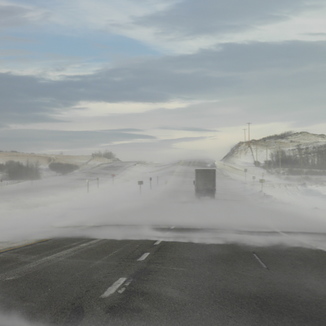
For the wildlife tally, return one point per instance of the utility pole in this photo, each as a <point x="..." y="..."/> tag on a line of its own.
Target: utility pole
<point x="248" y="123"/>
<point x="279" y="157"/>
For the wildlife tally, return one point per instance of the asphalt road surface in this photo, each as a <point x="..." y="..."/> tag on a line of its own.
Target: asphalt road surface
<point x="111" y="282"/>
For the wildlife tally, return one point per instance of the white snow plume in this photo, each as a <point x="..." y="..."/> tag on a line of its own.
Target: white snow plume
<point x="164" y="207"/>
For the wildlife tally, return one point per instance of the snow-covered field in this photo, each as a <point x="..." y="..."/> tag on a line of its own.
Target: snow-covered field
<point x="282" y="212"/>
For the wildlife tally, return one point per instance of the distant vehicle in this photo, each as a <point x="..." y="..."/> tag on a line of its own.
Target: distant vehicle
<point x="205" y="183"/>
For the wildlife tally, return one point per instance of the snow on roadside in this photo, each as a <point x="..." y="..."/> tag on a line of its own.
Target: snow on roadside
<point x="308" y="194"/>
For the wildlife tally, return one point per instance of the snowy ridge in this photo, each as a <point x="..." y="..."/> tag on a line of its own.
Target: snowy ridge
<point x="246" y="153"/>
<point x="43" y="161"/>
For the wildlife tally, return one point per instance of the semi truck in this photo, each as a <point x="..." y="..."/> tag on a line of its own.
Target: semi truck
<point x="205" y="183"/>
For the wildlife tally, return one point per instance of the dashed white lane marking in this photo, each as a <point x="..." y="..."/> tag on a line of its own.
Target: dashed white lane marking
<point x="260" y="261"/>
<point x="157" y="243"/>
<point x="114" y="287"/>
<point x="143" y="257"/>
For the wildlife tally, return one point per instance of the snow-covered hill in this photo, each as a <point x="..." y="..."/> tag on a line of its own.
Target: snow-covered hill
<point x="246" y="153"/>
<point x="305" y="191"/>
<point x="43" y="161"/>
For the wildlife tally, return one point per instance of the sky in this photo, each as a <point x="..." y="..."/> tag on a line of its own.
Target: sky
<point x="158" y="80"/>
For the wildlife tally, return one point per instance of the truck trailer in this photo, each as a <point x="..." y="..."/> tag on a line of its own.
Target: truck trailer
<point x="205" y="183"/>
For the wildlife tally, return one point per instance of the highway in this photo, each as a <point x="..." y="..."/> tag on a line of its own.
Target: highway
<point x="79" y="281"/>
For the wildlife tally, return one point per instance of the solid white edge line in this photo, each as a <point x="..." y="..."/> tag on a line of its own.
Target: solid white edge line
<point x="114" y="287"/>
<point x="144" y="256"/>
<point x="26" y="269"/>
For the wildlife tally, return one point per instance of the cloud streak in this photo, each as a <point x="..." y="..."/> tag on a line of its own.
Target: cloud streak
<point x="55" y="140"/>
<point x="237" y="75"/>
<point x="190" y="17"/>
<point x="12" y="15"/>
